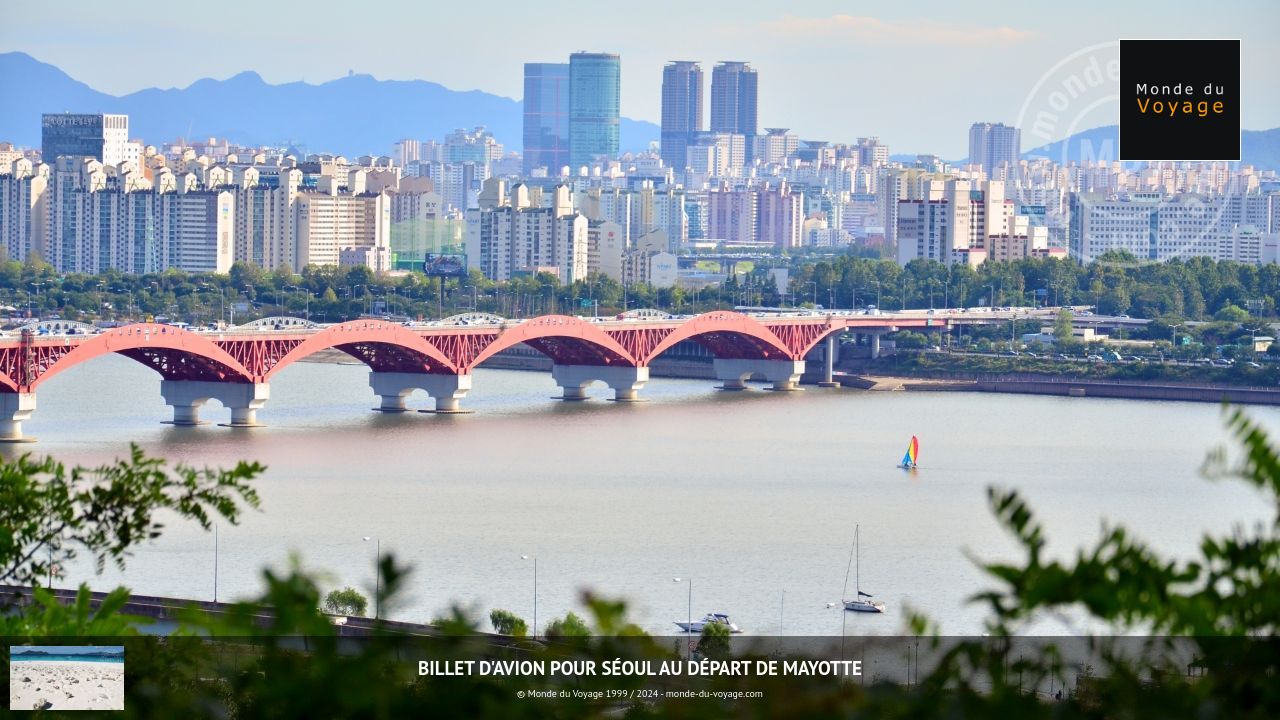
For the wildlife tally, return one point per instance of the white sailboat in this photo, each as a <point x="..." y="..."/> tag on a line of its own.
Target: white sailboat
<point x="858" y="603"/>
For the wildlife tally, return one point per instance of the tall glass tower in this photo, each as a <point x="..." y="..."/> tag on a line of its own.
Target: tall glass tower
<point x="681" y="110"/>
<point x="734" y="101"/>
<point x="546" y="116"/>
<point x="595" y="82"/>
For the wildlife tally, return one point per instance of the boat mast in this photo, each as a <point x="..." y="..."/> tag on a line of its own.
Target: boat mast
<point x="857" y="578"/>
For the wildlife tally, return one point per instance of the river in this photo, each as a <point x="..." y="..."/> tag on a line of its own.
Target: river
<point x="754" y="496"/>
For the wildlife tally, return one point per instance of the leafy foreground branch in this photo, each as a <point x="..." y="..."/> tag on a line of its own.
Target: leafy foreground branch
<point x="49" y="515"/>
<point x="280" y="656"/>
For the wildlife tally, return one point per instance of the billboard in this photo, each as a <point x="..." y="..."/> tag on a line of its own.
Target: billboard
<point x="445" y="265"/>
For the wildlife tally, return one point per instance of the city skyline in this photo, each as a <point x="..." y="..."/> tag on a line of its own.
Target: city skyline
<point x="815" y="61"/>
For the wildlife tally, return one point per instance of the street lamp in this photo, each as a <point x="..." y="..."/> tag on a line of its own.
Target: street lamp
<point x="535" y="592"/>
<point x="377" y="588"/>
<point x="689" y="623"/>
<point x="815" y="293"/>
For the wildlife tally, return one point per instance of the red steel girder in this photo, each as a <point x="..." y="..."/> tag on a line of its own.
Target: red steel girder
<point x="259" y="355"/>
<point x="640" y="341"/>
<point x="463" y="348"/>
<point x="799" y="338"/>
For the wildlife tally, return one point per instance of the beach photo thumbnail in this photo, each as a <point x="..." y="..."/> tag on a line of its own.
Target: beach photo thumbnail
<point x="66" y="677"/>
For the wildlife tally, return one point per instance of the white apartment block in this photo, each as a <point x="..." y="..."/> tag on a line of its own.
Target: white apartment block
<point x="22" y="208"/>
<point x="508" y="234"/>
<point x="328" y="222"/>
<point x="957" y="221"/>
<point x="1159" y="227"/>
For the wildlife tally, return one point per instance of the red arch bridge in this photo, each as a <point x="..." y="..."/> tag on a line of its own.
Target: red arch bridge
<point x="235" y="365"/>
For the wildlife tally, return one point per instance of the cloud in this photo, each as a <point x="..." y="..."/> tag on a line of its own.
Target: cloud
<point x="871" y="30"/>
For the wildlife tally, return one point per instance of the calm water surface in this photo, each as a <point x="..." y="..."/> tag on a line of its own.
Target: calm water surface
<point x="753" y="495"/>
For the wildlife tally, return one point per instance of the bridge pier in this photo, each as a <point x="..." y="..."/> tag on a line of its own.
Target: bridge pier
<point x="875" y="345"/>
<point x="14" y="409"/>
<point x="394" y="388"/>
<point x="188" y="396"/>
<point x="829" y="362"/>
<point x="626" y="381"/>
<point x="784" y="374"/>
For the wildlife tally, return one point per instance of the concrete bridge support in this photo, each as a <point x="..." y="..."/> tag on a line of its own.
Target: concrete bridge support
<point x="829" y="362"/>
<point x="875" y="345"/>
<point x="187" y="397"/>
<point x="395" y="387"/>
<point x="15" y="408"/>
<point x="625" y="381"/>
<point x="784" y="374"/>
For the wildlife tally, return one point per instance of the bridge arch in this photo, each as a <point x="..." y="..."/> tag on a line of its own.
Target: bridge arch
<point x="566" y="340"/>
<point x="175" y="353"/>
<point x="382" y="345"/>
<point x="728" y="335"/>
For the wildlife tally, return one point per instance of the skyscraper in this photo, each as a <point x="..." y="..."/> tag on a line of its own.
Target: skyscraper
<point x="991" y="145"/>
<point x="546" y="116"/>
<point x="595" y="81"/>
<point x="681" y="110"/>
<point x="734" y="88"/>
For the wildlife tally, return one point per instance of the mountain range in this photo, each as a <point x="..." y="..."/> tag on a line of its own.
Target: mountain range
<point x="345" y="115"/>
<point x="1259" y="148"/>
<point x="353" y="115"/>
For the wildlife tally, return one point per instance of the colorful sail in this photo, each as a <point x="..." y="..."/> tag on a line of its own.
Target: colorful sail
<point x="913" y="452"/>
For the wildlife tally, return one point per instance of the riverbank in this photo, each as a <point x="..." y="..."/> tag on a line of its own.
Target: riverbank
<point x="894" y="375"/>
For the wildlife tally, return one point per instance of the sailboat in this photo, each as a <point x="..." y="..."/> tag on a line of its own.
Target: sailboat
<point x="913" y="452"/>
<point x="858" y="603"/>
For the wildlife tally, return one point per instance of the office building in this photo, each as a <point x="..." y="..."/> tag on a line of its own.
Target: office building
<point x="102" y="137"/>
<point x="681" y="111"/>
<point x="546" y="117"/>
<point x="595" y="81"/>
<point x="734" y="102"/>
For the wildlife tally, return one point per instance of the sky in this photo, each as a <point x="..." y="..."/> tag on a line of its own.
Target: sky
<point x="64" y="649"/>
<point x="916" y="74"/>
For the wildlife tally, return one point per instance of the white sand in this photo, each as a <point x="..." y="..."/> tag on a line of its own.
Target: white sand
<point x="66" y="684"/>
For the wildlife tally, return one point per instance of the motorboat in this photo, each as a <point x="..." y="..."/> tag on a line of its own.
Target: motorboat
<point x="709" y="619"/>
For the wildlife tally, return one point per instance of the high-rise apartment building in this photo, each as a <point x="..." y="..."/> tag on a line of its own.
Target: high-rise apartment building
<point x="508" y="233"/>
<point x="104" y="138"/>
<point x="957" y="221"/>
<point x="734" y="102"/>
<point x="546" y="117"/>
<point x="329" y="222"/>
<point x="595" y="82"/>
<point x="681" y="110"/>
<point x="22" y="211"/>
<point x="994" y="145"/>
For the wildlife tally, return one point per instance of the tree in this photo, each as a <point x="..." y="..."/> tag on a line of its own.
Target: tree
<point x="347" y="601"/>
<point x="571" y="626"/>
<point x="1063" y="325"/>
<point x="714" y="641"/>
<point x="506" y="622"/>
<point x="1232" y="313"/>
<point x="49" y="514"/>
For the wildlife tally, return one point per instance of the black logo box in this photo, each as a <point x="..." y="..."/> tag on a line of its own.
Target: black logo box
<point x="1185" y="65"/>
